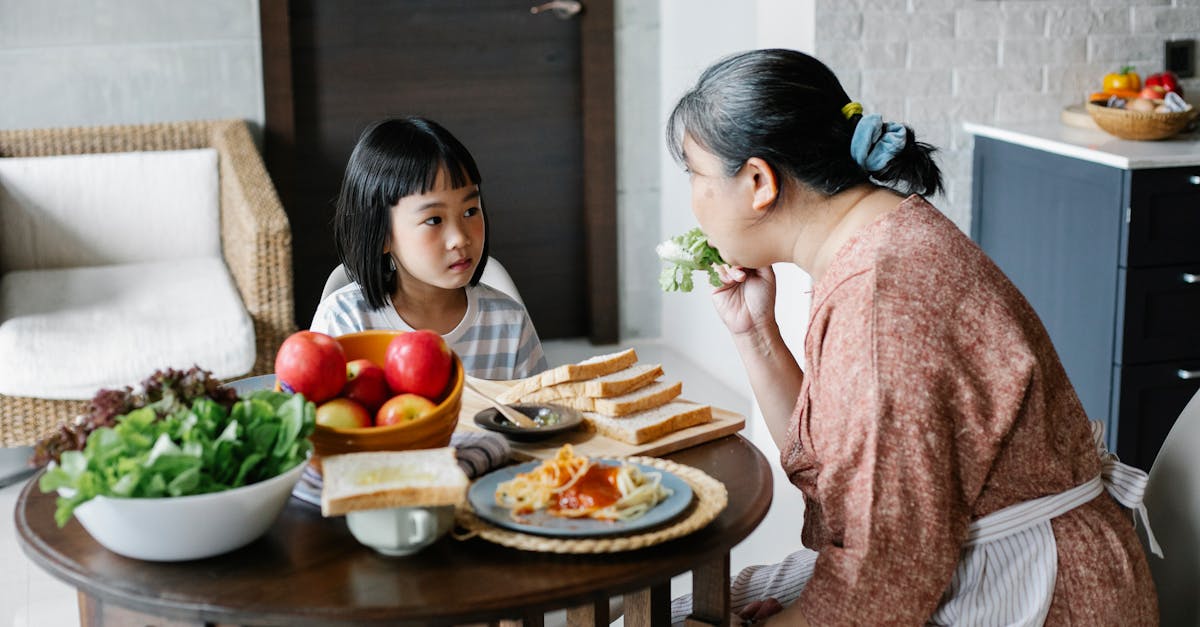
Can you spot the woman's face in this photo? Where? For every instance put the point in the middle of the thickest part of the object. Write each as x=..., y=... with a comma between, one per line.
x=436, y=238
x=719, y=202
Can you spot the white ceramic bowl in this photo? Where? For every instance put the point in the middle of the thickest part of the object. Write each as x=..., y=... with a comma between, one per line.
x=400, y=530
x=187, y=527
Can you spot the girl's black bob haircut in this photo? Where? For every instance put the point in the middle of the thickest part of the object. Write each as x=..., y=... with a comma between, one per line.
x=394, y=158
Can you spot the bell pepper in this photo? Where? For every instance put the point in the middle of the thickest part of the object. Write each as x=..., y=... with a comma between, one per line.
x=1124, y=80
x=1124, y=94
x=1167, y=80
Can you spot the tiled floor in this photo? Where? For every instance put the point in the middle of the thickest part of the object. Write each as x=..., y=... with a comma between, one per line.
x=29, y=597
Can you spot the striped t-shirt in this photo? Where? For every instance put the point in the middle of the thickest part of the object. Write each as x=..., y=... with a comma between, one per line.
x=495, y=339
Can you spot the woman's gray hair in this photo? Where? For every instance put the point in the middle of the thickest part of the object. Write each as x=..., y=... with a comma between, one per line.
x=785, y=107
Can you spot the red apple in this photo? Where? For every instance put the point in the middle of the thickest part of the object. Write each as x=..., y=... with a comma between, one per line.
x=312, y=364
x=1153, y=92
x=403, y=408
x=418, y=362
x=366, y=383
x=343, y=413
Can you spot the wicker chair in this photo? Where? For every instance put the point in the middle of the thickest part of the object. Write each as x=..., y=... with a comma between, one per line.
x=255, y=237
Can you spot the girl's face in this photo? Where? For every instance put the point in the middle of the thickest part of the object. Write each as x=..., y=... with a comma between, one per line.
x=436, y=238
x=719, y=202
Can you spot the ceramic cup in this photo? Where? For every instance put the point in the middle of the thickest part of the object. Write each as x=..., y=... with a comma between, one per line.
x=400, y=530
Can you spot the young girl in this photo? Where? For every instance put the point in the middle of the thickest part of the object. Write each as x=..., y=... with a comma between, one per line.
x=949, y=472
x=410, y=230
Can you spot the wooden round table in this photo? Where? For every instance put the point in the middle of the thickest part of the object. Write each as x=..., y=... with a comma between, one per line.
x=309, y=570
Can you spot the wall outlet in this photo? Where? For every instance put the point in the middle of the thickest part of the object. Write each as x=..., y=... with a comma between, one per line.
x=1179, y=56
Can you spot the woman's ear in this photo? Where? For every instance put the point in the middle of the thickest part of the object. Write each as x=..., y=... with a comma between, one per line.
x=764, y=181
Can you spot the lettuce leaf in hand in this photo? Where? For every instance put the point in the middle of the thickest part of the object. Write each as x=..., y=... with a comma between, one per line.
x=683, y=255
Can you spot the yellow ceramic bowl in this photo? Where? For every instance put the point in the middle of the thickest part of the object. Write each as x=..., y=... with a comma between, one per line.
x=431, y=431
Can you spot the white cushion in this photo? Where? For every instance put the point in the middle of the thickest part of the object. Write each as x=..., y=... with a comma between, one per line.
x=88, y=210
x=64, y=334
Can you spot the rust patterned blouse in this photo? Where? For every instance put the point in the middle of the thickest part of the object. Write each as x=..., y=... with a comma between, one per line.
x=932, y=397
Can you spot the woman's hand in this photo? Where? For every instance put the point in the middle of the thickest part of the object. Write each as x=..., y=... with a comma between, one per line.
x=746, y=301
x=756, y=612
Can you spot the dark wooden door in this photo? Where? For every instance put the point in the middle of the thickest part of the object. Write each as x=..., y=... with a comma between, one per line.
x=510, y=84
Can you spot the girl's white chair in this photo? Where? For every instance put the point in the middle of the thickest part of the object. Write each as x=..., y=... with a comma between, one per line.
x=494, y=275
x=1173, y=501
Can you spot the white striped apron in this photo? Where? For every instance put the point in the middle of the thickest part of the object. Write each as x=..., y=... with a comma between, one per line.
x=1009, y=563
x=1008, y=566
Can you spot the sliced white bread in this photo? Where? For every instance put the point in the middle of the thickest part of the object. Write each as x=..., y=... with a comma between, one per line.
x=649, y=397
x=589, y=368
x=651, y=424
x=382, y=479
x=620, y=382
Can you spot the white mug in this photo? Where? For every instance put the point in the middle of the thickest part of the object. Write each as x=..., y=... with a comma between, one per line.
x=400, y=530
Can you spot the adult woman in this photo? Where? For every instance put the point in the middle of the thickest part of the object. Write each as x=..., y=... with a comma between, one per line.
x=950, y=474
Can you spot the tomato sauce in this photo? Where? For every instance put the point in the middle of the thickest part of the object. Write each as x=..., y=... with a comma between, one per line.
x=597, y=488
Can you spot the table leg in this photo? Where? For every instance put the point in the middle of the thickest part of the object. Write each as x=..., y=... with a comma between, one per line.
x=710, y=593
x=593, y=615
x=649, y=607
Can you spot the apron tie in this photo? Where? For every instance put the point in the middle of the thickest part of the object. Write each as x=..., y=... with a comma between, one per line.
x=1009, y=562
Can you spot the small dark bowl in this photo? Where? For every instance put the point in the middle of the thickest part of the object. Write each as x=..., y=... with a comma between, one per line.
x=491, y=420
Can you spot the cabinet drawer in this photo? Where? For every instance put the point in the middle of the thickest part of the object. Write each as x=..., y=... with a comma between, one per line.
x=1164, y=217
x=1160, y=318
x=1150, y=400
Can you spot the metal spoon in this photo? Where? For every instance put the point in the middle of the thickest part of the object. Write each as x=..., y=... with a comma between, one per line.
x=513, y=416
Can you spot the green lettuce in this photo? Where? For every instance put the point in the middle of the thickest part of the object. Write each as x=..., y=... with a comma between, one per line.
x=683, y=255
x=170, y=449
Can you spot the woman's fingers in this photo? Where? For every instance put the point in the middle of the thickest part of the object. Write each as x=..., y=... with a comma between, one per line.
x=751, y=609
x=767, y=272
x=731, y=274
x=730, y=277
x=768, y=607
x=759, y=610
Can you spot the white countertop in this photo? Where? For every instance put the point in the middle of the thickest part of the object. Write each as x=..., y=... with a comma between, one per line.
x=1095, y=145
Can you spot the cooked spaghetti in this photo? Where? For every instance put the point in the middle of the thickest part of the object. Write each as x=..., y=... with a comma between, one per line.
x=572, y=486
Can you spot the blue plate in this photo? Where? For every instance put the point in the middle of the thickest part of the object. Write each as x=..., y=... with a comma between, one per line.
x=482, y=497
x=253, y=384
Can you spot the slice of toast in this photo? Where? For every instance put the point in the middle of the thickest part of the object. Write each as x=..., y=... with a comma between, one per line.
x=620, y=382
x=651, y=424
x=381, y=479
x=641, y=399
x=649, y=397
x=589, y=368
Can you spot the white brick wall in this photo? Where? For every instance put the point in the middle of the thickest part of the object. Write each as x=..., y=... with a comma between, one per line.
x=934, y=64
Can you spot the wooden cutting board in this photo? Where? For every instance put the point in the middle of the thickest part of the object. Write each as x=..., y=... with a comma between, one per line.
x=593, y=444
x=1076, y=115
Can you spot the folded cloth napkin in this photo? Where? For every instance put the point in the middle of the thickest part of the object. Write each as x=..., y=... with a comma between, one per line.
x=478, y=453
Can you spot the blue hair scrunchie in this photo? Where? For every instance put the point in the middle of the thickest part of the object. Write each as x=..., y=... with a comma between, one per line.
x=875, y=143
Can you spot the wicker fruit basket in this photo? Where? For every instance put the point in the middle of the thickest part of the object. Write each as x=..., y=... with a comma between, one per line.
x=1139, y=125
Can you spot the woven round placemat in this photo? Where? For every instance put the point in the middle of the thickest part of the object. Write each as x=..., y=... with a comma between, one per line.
x=709, y=498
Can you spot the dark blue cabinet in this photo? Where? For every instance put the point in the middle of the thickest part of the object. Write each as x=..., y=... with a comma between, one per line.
x=1110, y=260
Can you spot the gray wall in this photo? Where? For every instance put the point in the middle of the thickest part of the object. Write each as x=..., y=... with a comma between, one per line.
x=639, y=140
x=92, y=62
